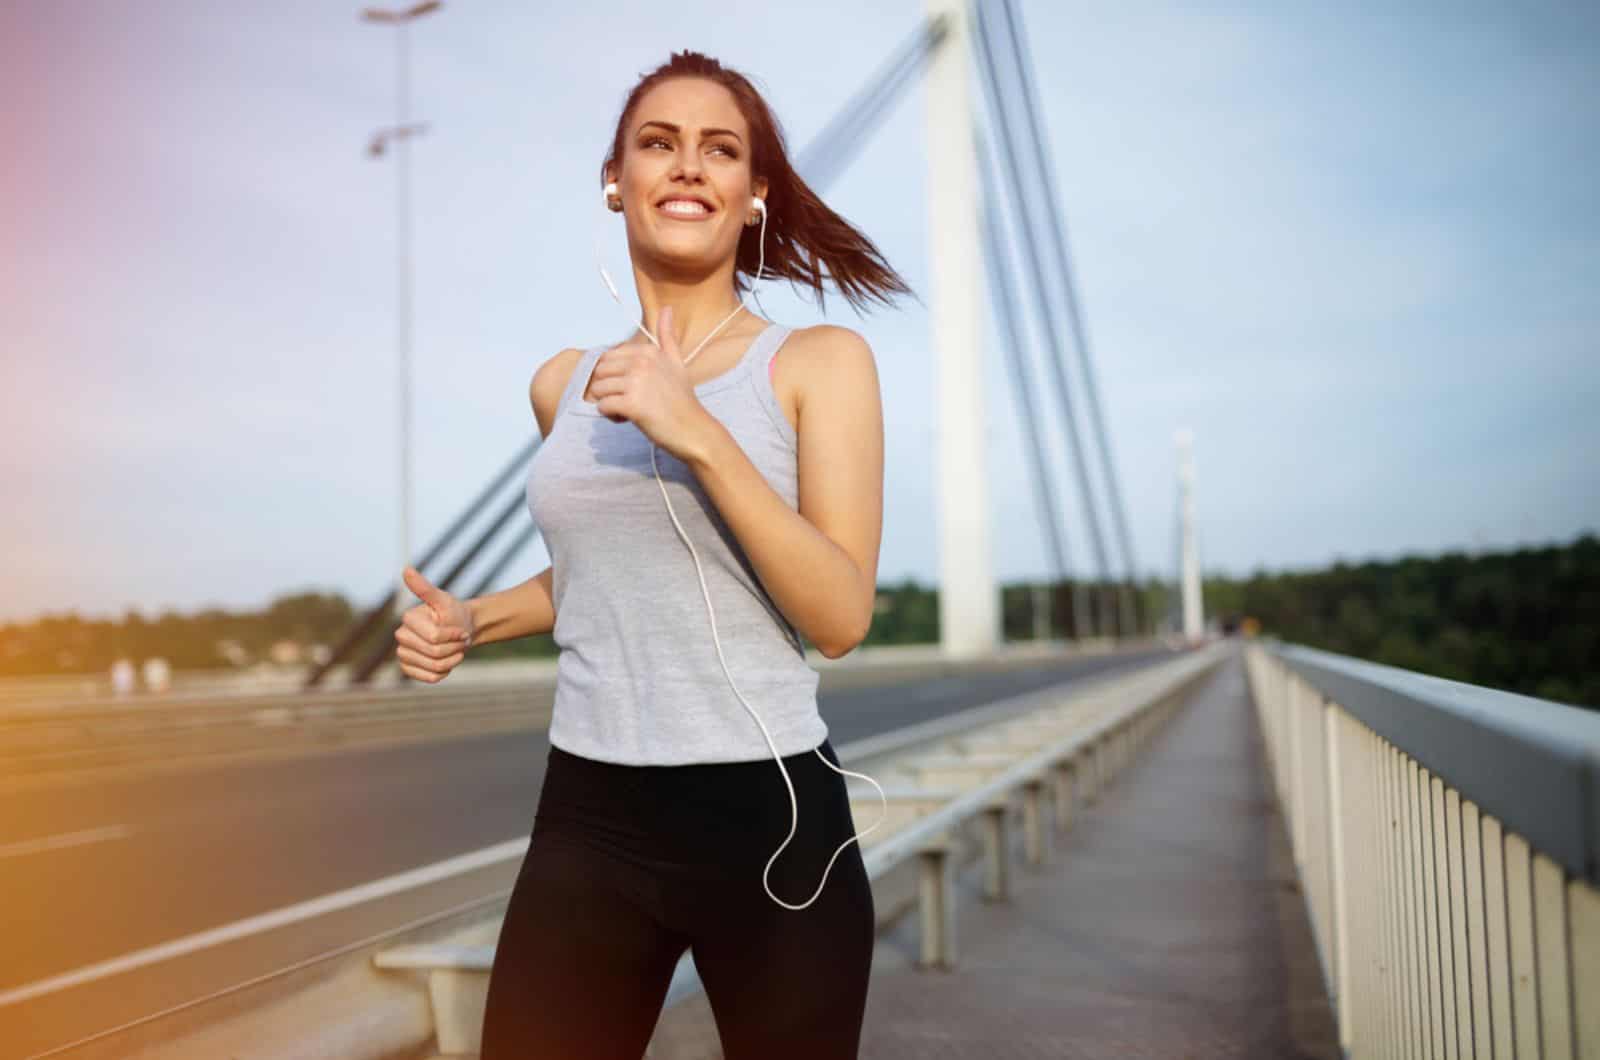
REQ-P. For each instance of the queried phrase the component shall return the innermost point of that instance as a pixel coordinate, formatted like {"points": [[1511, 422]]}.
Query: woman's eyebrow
{"points": [[673, 128]]}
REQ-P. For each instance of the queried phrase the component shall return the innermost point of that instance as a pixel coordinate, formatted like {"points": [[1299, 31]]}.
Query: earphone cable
{"points": [[794, 806]]}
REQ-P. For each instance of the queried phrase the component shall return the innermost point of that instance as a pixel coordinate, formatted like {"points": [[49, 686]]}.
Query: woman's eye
{"points": [[730, 152]]}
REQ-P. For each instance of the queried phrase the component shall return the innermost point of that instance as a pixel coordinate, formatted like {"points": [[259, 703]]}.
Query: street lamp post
{"points": [[1189, 561], [401, 133]]}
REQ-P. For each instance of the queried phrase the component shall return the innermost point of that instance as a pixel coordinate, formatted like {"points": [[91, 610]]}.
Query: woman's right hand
{"points": [[433, 636]]}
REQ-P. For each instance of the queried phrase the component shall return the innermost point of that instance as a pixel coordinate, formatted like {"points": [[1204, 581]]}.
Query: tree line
{"points": [[1526, 621]]}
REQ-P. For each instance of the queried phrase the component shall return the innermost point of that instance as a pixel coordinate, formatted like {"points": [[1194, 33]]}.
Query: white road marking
{"points": [[66, 839], [291, 914]]}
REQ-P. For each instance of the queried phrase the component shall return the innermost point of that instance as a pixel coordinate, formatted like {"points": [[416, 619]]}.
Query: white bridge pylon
{"points": [[969, 604]]}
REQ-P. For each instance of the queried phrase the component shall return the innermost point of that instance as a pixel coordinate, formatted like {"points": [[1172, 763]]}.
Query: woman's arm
{"points": [[820, 564], [525, 610]]}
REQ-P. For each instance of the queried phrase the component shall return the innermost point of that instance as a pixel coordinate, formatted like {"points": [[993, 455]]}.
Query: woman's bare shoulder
{"points": [[828, 355], [829, 344], [550, 379]]}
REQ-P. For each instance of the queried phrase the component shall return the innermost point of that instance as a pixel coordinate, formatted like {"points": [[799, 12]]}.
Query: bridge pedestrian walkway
{"points": [[1167, 923]]}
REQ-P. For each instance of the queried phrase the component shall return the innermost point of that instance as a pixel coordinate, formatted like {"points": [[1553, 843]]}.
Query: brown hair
{"points": [[804, 235]]}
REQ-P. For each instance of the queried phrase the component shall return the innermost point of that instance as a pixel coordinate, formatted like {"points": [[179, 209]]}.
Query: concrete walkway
{"points": [[1167, 925]]}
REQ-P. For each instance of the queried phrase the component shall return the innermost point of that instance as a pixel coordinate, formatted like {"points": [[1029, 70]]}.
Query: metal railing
{"points": [[1447, 838]]}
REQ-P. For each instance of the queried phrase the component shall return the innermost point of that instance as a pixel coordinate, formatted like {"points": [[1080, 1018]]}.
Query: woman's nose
{"points": [[688, 164]]}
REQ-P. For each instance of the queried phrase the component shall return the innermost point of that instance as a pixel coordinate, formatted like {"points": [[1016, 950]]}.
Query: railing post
{"points": [[1416, 932], [997, 850], [936, 885], [1583, 922], [1550, 946], [1083, 763], [1035, 834], [1339, 974], [458, 1000], [1094, 775], [1298, 694], [1496, 927], [1398, 1012], [1065, 775], [1477, 927], [1520, 929]]}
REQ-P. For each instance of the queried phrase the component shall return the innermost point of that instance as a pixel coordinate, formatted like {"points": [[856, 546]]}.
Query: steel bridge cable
{"points": [[1042, 300], [385, 606], [512, 504], [486, 580], [821, 160], [1008, 311], [1047, 184]]}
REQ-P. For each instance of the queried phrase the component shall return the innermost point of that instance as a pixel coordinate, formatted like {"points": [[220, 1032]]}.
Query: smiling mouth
{"points": [[679, 211]]}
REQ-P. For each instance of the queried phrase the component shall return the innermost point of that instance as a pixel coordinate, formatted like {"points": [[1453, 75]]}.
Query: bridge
{"points": [[1132, 841]]}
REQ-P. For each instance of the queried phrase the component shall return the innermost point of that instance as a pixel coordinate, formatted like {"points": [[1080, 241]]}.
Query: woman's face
{"points": [[685, 175]]}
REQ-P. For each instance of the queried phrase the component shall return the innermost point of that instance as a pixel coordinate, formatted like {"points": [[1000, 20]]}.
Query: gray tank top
{"points": [[637, 677]]}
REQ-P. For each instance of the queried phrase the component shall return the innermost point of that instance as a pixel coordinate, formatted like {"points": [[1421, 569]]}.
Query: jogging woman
{"points": [[711, 493]]}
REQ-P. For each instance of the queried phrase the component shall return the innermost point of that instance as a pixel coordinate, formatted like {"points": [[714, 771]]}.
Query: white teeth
{"points": [[680, 206]]}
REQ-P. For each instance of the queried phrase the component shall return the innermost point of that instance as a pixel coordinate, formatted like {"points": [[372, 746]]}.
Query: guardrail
{"points": [[1448, 843], [1023, 765]]}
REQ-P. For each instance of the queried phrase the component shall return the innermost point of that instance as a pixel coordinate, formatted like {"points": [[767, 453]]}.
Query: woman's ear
{"points": [[760, 186]]}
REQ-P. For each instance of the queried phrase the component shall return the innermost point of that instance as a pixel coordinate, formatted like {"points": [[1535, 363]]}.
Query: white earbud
{"points": [[760, 206], [610, 190]]}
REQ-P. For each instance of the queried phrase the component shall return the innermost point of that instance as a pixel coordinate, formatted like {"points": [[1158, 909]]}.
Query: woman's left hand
{"points": [[650, 387]]}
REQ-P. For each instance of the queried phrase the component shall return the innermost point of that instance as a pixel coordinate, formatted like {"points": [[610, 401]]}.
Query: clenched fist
{"points": [[433, 636]]}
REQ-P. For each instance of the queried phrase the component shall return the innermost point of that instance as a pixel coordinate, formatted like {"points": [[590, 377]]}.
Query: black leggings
{"points": [[628, 866]]}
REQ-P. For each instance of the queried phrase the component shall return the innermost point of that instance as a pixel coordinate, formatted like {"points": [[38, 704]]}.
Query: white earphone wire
{"points": [[794, 805]]}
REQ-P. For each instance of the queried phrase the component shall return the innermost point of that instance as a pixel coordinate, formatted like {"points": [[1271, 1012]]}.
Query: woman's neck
{"points": [[697, 307]]}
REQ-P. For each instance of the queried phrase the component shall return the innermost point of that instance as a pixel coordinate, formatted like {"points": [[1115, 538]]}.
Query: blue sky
{"points": [[1355, 249]]}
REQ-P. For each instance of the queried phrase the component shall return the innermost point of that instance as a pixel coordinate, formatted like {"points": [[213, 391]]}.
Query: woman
{"points": [[663, 814]]}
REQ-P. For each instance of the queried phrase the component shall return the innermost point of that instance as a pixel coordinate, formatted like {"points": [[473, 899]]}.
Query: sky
{"points": [[1354, 248]]}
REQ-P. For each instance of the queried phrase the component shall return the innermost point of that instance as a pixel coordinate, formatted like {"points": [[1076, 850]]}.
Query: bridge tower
{"points": [[969, 606]]}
